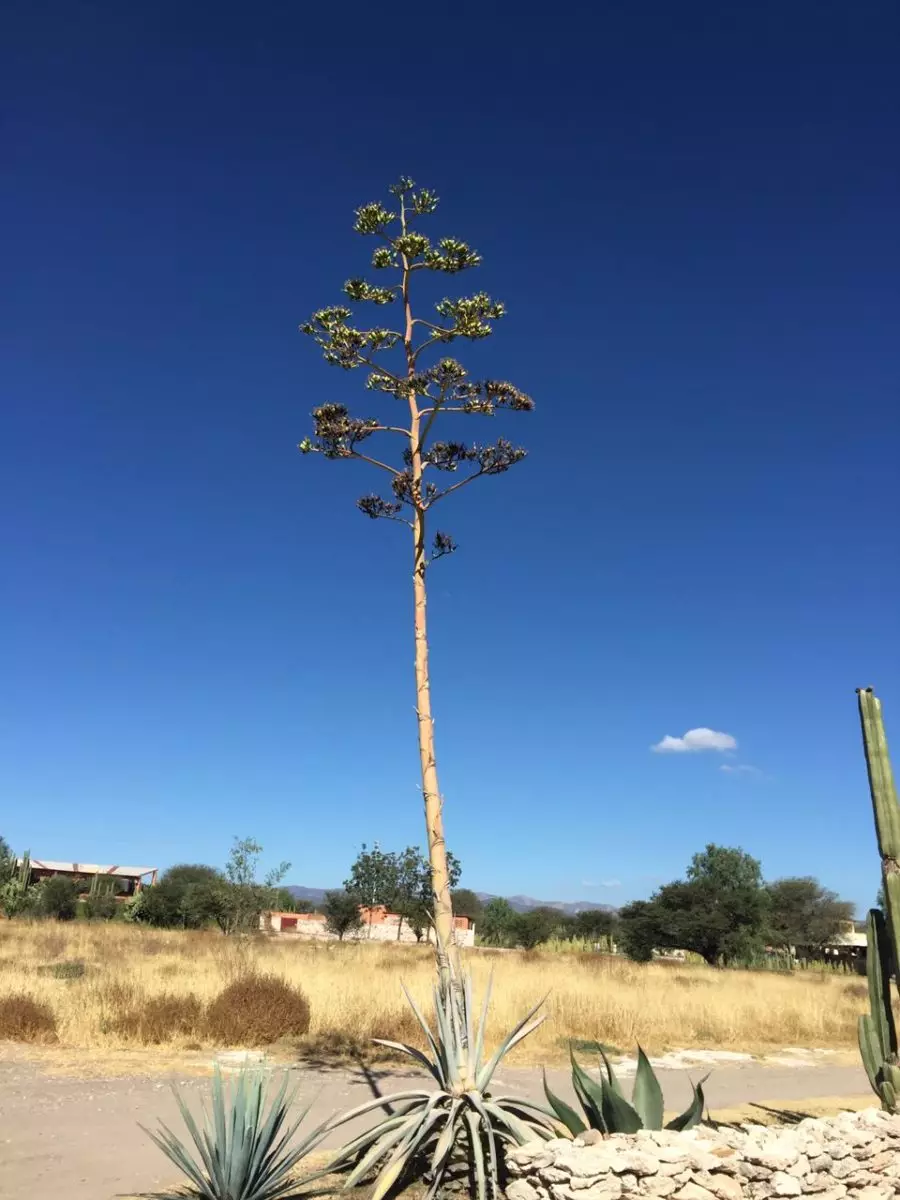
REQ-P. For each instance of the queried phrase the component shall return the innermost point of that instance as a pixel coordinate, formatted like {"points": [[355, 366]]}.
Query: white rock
{"points": [[693, 1191], [636, 1162], [659, 1185], [723, 1187], [520, 1189], [783, 1184]]}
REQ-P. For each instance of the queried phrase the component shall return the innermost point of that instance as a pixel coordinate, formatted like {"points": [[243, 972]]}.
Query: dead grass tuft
{"points": [[25, 1020], [160, 1019], [257, 1010]]}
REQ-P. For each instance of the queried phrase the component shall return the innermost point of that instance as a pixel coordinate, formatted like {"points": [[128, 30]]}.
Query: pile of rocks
{"points": [[856, 1155]]}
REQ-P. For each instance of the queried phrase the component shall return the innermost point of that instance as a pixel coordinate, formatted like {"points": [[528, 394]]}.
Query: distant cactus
{"points": [[23, 874], [877, 1031]]}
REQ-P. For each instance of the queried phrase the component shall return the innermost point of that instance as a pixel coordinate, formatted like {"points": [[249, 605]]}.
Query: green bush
{"points": [[58, 898], [256, 1010]]}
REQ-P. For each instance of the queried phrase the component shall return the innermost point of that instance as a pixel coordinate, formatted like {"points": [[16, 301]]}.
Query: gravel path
{"points": [[80, 1138]]}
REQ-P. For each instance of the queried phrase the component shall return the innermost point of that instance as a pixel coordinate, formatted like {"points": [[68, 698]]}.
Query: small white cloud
{"points": [[695, 740], [602, 883], [740, 769]]}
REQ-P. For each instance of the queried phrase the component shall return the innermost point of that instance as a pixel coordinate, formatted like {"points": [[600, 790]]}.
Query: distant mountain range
{"points": [[519, 903]]}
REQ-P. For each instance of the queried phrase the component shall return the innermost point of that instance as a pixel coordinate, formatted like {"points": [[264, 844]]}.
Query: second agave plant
{"points": [[606, 1109], [431, 1131]]}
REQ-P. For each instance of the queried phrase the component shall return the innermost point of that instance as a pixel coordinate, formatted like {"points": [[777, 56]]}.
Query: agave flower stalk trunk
{"points": [[434, 819]]}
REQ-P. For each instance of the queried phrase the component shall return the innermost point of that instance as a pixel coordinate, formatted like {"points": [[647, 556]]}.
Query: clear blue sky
{"points": [[691, 212]]}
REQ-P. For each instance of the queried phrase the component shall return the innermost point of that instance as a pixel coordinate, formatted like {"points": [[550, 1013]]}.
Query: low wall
{"points": [[856, 1155]]}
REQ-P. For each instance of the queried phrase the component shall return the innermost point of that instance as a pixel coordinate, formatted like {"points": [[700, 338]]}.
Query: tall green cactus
{"points": [[877, 1031], [23, 874]]}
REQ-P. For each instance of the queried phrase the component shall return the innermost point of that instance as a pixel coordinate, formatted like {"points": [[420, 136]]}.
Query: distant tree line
{"points": [[723, 910]]}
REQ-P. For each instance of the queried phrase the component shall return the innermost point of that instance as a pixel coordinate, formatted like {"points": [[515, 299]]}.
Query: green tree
{"points": [[415, 894], [804, 913], [593, 924], [722, 925], [538, 925], [342, 914], [243, 863], [374, 878], [641, 930], [498, 923], [467, 904], [238, 900], [725, 867], [719, 912], [428, 393], [58, 897], [184, 898]]}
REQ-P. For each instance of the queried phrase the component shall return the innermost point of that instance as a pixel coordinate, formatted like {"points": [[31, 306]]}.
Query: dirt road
{"points": [[80, 1138]]}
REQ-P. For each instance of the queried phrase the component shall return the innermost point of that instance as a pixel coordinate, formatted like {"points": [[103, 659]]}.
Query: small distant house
{"points": [[378, 924], [129, 880]]}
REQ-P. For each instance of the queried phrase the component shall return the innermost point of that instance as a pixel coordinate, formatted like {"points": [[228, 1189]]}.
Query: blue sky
{"points": [[691, 213]]}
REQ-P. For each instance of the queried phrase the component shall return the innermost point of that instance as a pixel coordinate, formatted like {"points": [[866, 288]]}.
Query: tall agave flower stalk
{"points": [[877, 1031]]}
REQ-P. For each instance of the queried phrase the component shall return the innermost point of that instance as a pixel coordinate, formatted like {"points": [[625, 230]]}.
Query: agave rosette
{"points": [[430, 1129]]}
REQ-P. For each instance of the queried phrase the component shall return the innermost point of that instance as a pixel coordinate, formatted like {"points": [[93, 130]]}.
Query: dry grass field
{"points": [[115, 987]]}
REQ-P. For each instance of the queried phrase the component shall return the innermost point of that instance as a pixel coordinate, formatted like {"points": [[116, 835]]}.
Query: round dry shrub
{"points": [[256, 1010], [157, 1019], [25, 1020]]}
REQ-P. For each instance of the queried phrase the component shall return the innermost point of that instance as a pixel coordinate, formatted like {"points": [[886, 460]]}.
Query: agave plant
{"points": [[242, 1152], [429, 1130], [605, 1107]]}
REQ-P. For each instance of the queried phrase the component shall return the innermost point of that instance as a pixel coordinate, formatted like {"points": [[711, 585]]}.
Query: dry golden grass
{"points": [[354, 993]]}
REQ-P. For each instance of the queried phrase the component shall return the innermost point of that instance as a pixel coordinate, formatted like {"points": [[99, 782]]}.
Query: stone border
{"points": [[855, 1154]]}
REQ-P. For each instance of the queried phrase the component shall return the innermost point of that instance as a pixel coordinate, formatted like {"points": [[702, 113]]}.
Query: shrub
{"points": [[256, 1010], [58, 898], [25, 1020], [157, 1019], [72, 968]]}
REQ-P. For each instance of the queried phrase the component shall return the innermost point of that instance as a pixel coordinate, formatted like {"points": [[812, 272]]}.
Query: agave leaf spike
{"points": [[647, 1097], [518, 1131], [694, 1113], [476, 1151], [520, 1031], [610, 1073], [490, 1138], [444, 1143], [567, 1115], [592, 1095], [426, 1028], [361, 1143], [379, 1102], [402, 1048], [620, 1116], [482, 1026], [379, 1149]]}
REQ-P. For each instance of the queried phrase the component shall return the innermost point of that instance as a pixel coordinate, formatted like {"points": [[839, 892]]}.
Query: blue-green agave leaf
{"points": [[566, 1114], [647, 1097], [694, 1113]]}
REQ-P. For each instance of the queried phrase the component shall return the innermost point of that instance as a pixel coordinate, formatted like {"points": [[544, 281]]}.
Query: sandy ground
{"points": [[65, 1134]]}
